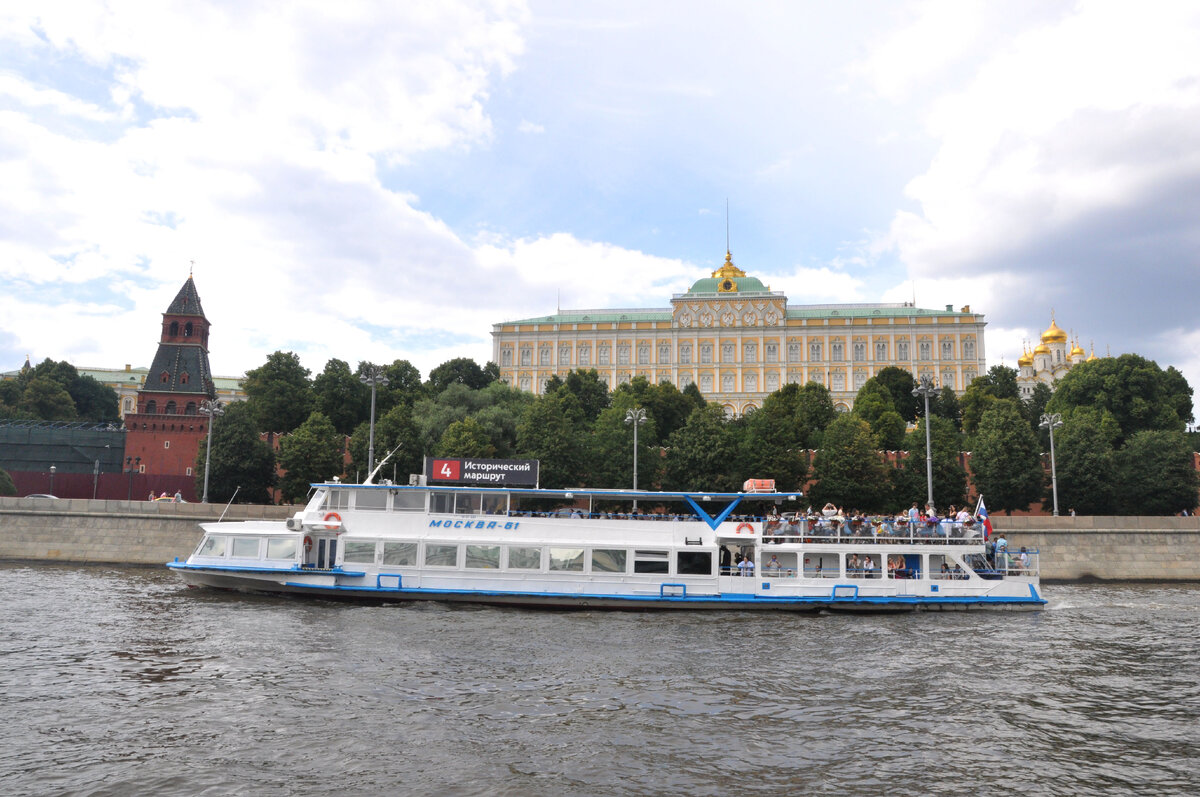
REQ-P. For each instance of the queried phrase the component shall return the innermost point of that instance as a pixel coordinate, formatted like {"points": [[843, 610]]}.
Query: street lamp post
{"points": [[635, 416], [926, 389], [212, 408], [1052, 421], [52, 469], [373, 376]]}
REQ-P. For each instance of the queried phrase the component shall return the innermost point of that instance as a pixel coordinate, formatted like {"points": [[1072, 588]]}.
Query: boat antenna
{"points": [[371, 475], [226, 509]]}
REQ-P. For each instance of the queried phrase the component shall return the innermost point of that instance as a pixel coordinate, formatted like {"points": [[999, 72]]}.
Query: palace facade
{"points": [[738, 341]]}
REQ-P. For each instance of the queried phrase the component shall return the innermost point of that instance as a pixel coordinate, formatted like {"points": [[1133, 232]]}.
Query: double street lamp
{"points": [[1052, 421], [926, 389], [635, 416], [373, 376], [212, 408]]}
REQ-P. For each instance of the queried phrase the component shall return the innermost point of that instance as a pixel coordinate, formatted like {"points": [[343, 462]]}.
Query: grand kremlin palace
{"points": [[739, 341]]}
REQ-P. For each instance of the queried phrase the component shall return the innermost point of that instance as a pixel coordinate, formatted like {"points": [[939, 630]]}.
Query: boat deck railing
{"points": [[948, 532]]}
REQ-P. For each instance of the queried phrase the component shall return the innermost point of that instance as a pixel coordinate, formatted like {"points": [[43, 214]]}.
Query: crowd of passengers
{"points": [[863, 566], [835, 522]]}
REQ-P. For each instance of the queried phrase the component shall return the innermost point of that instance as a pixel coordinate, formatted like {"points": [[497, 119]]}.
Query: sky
{"points": [[378, 181]]}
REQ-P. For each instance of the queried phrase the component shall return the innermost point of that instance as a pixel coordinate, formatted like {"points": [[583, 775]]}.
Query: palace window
{"points": [[623, 354], [726, 352], [836, 351], [526, 355], [794, 352], [602, 354], [771, 352], [664, 353], [948, 379], [564, 355], [685, 353], [525, 383], [860, 352], [644, 354], [706, 353], [727, 383], [750, 352], [968, 349], [506, 357], [772, 382], [838, 380], [860, 378], [706, 383], [814, 352], [925, 350], [947, 350], [902, 350], [584, 355], [881, 351], [751, 382], [684, 380], [544, 355]]}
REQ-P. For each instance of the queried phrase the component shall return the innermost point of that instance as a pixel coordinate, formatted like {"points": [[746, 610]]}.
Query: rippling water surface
{"points": [[123, 681]]}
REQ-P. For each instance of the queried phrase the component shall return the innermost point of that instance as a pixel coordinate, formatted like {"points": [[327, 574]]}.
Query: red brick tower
{"points": [[167, 429]]}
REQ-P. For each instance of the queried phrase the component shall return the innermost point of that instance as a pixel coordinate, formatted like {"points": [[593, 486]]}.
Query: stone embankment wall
{"points": [[112, 532], [1109, 548], [151, 533]]}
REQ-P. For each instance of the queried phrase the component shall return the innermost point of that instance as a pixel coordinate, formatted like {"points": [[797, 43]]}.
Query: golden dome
{"points": [[1054, 333], [1026, 358], [1077, 350], [1042, 348]]}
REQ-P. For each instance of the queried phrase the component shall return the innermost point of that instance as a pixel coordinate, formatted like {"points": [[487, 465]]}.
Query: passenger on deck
{"points": [[852, 564], [772, 567], [868, 567], [746, 566], [1023, 560], [959, 573]]}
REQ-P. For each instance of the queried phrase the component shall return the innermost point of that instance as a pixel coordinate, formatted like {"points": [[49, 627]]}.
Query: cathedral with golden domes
{"points": [[1050, 360]]}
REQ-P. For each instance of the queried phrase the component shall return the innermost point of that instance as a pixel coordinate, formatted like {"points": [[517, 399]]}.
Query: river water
{"points": [[119, 681]]}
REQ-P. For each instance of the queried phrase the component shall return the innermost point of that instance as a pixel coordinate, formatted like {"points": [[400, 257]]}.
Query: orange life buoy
{"points": [[307, 544], [332, 516], [749, 529]]}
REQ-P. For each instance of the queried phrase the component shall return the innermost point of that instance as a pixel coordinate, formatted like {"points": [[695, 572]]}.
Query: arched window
{"points": [[170, 410], [187, 329], [151, 407], [164, 377], [183, 378], [190, 409], [174, 329]]}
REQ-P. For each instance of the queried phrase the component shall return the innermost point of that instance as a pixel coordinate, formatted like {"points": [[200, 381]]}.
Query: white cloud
{"points": [[529, 127]]}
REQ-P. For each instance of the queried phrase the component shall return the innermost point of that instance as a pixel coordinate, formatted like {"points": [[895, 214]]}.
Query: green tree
{"points": [[874, 405], [588, 389], [48, 400], [1005, 459], [404, 385], [312, 453], [395, 434], [949, 475], [240, 458], [848, 468], [610, 449], [1134, 390], [947, 406], [900, 384], [1156, 474], [465, 438], [6, 483], [1000, 382], [552, 431], [279, 393], [699, 453], [814, 412], [459, 371], [340, 396], [1085, 463], [773, 446], [664, 402]]}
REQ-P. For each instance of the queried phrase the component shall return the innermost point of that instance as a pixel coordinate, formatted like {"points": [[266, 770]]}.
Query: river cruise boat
{"points": [[597, 549]]}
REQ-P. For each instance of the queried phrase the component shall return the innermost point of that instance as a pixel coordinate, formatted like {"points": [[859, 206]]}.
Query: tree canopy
{"points": [[848, 470], [1005, 458], [312, 453], [279, 393], [1138, 394], [240, 458]]}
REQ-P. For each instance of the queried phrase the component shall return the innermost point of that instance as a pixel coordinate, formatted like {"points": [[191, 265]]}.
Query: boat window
{"points": [[651, 562], [245, 547], [468, 503], [566, 559], [337, 499], [212, 546], [400, 554], [863, 566], [281, 548], [522, 558], [608, 561], [495, 504], [408, 501], [441, 503], [441, 555], [370, 499], [693, 563], [358, 551], [821, 566], [483, 556]]}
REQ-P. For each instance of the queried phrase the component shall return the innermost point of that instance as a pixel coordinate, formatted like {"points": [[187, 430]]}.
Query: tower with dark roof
{"points": [[167, 428]]}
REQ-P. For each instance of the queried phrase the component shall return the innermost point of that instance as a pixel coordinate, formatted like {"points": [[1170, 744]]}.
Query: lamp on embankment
{"points": [[212, 408], [926, 389], [1052, 421], [635, 416]]}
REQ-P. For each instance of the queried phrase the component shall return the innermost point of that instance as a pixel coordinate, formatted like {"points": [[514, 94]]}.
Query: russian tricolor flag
{"points": [[981, 513]]}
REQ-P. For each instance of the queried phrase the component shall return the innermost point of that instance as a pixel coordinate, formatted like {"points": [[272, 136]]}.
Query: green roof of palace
{"points": [[794, 311]]}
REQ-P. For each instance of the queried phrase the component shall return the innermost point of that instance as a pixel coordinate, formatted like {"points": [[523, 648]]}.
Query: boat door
{"points": [[320, 551]]}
